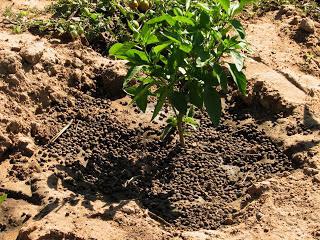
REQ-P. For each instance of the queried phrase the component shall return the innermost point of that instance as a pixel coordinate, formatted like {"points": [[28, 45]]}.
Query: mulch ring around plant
{"points": [[189, 188]]}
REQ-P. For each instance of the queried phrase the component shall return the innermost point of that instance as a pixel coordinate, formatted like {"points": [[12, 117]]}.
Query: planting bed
{"points": [[190, 188]]}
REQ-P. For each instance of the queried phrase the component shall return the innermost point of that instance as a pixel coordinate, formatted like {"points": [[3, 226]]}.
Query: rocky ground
{"points": [[256, 176]]}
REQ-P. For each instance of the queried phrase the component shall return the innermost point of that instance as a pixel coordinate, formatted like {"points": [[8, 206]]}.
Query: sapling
{"points": [[184, 57]]}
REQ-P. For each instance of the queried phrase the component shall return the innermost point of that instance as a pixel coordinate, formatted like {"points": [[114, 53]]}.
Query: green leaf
{"points": [[173, 37], [161, 99], [141, 96], [166, 131], [3, 197], [159, 48], [238, 27], [225, 4], [191, 122], [204, 19], [183, 19], [185, 47], [237, 60], [212, 102], [137, 56], [152, 40], [165, 17], [188, 4], [120, 49], [195, 93], [133, 71], [239, 78], [178, 100], [221, 76]]}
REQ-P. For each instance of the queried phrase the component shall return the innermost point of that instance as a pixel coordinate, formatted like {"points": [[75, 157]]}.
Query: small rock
{"points": [[128, 209], [259, 188], [294, 21], [259, 216], [15, 127], [13, 80], [9, 62], [25, 145], [310, 171], [16, 48], [316, 178], [32, 53], [307, 25], [77, 63], [54, 41], [228, 220]]}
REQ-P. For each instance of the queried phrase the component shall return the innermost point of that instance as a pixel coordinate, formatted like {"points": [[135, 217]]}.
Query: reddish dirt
{"points": [[40, 82]]}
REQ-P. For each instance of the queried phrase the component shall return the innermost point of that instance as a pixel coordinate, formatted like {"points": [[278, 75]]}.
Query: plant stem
{"points": [[180, 130]]}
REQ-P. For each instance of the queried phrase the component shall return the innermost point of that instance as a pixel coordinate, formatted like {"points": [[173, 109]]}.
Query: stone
{"points": [[32, 53], [259, 216], [258, 188], [25, 145], [10, 62], [77, 63], [316, 178], [307, 25]]}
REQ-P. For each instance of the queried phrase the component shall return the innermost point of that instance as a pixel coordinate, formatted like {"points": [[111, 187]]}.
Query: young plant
{"points": [[183, 58], [3, 197]]}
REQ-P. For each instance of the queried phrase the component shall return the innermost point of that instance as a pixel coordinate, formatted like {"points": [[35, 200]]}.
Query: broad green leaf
{"points": [[221, 76], [183, 19], [238, 27], [159, 48], [212, 102], [225, 4], [204, 19], [141, 96], [178, 100], [165, 17], [137, 56], [152, 40], [195, 93], [237, 60], [120, 49], [239, 78], [173, 37], [161, 99]]}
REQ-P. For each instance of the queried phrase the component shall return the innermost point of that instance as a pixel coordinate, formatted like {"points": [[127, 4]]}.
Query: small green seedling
{"points": [[3, 197], [184, 57]]}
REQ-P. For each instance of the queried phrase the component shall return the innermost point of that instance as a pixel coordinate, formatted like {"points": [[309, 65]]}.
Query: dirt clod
{"points": [[32, 53], [307, 25]]}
